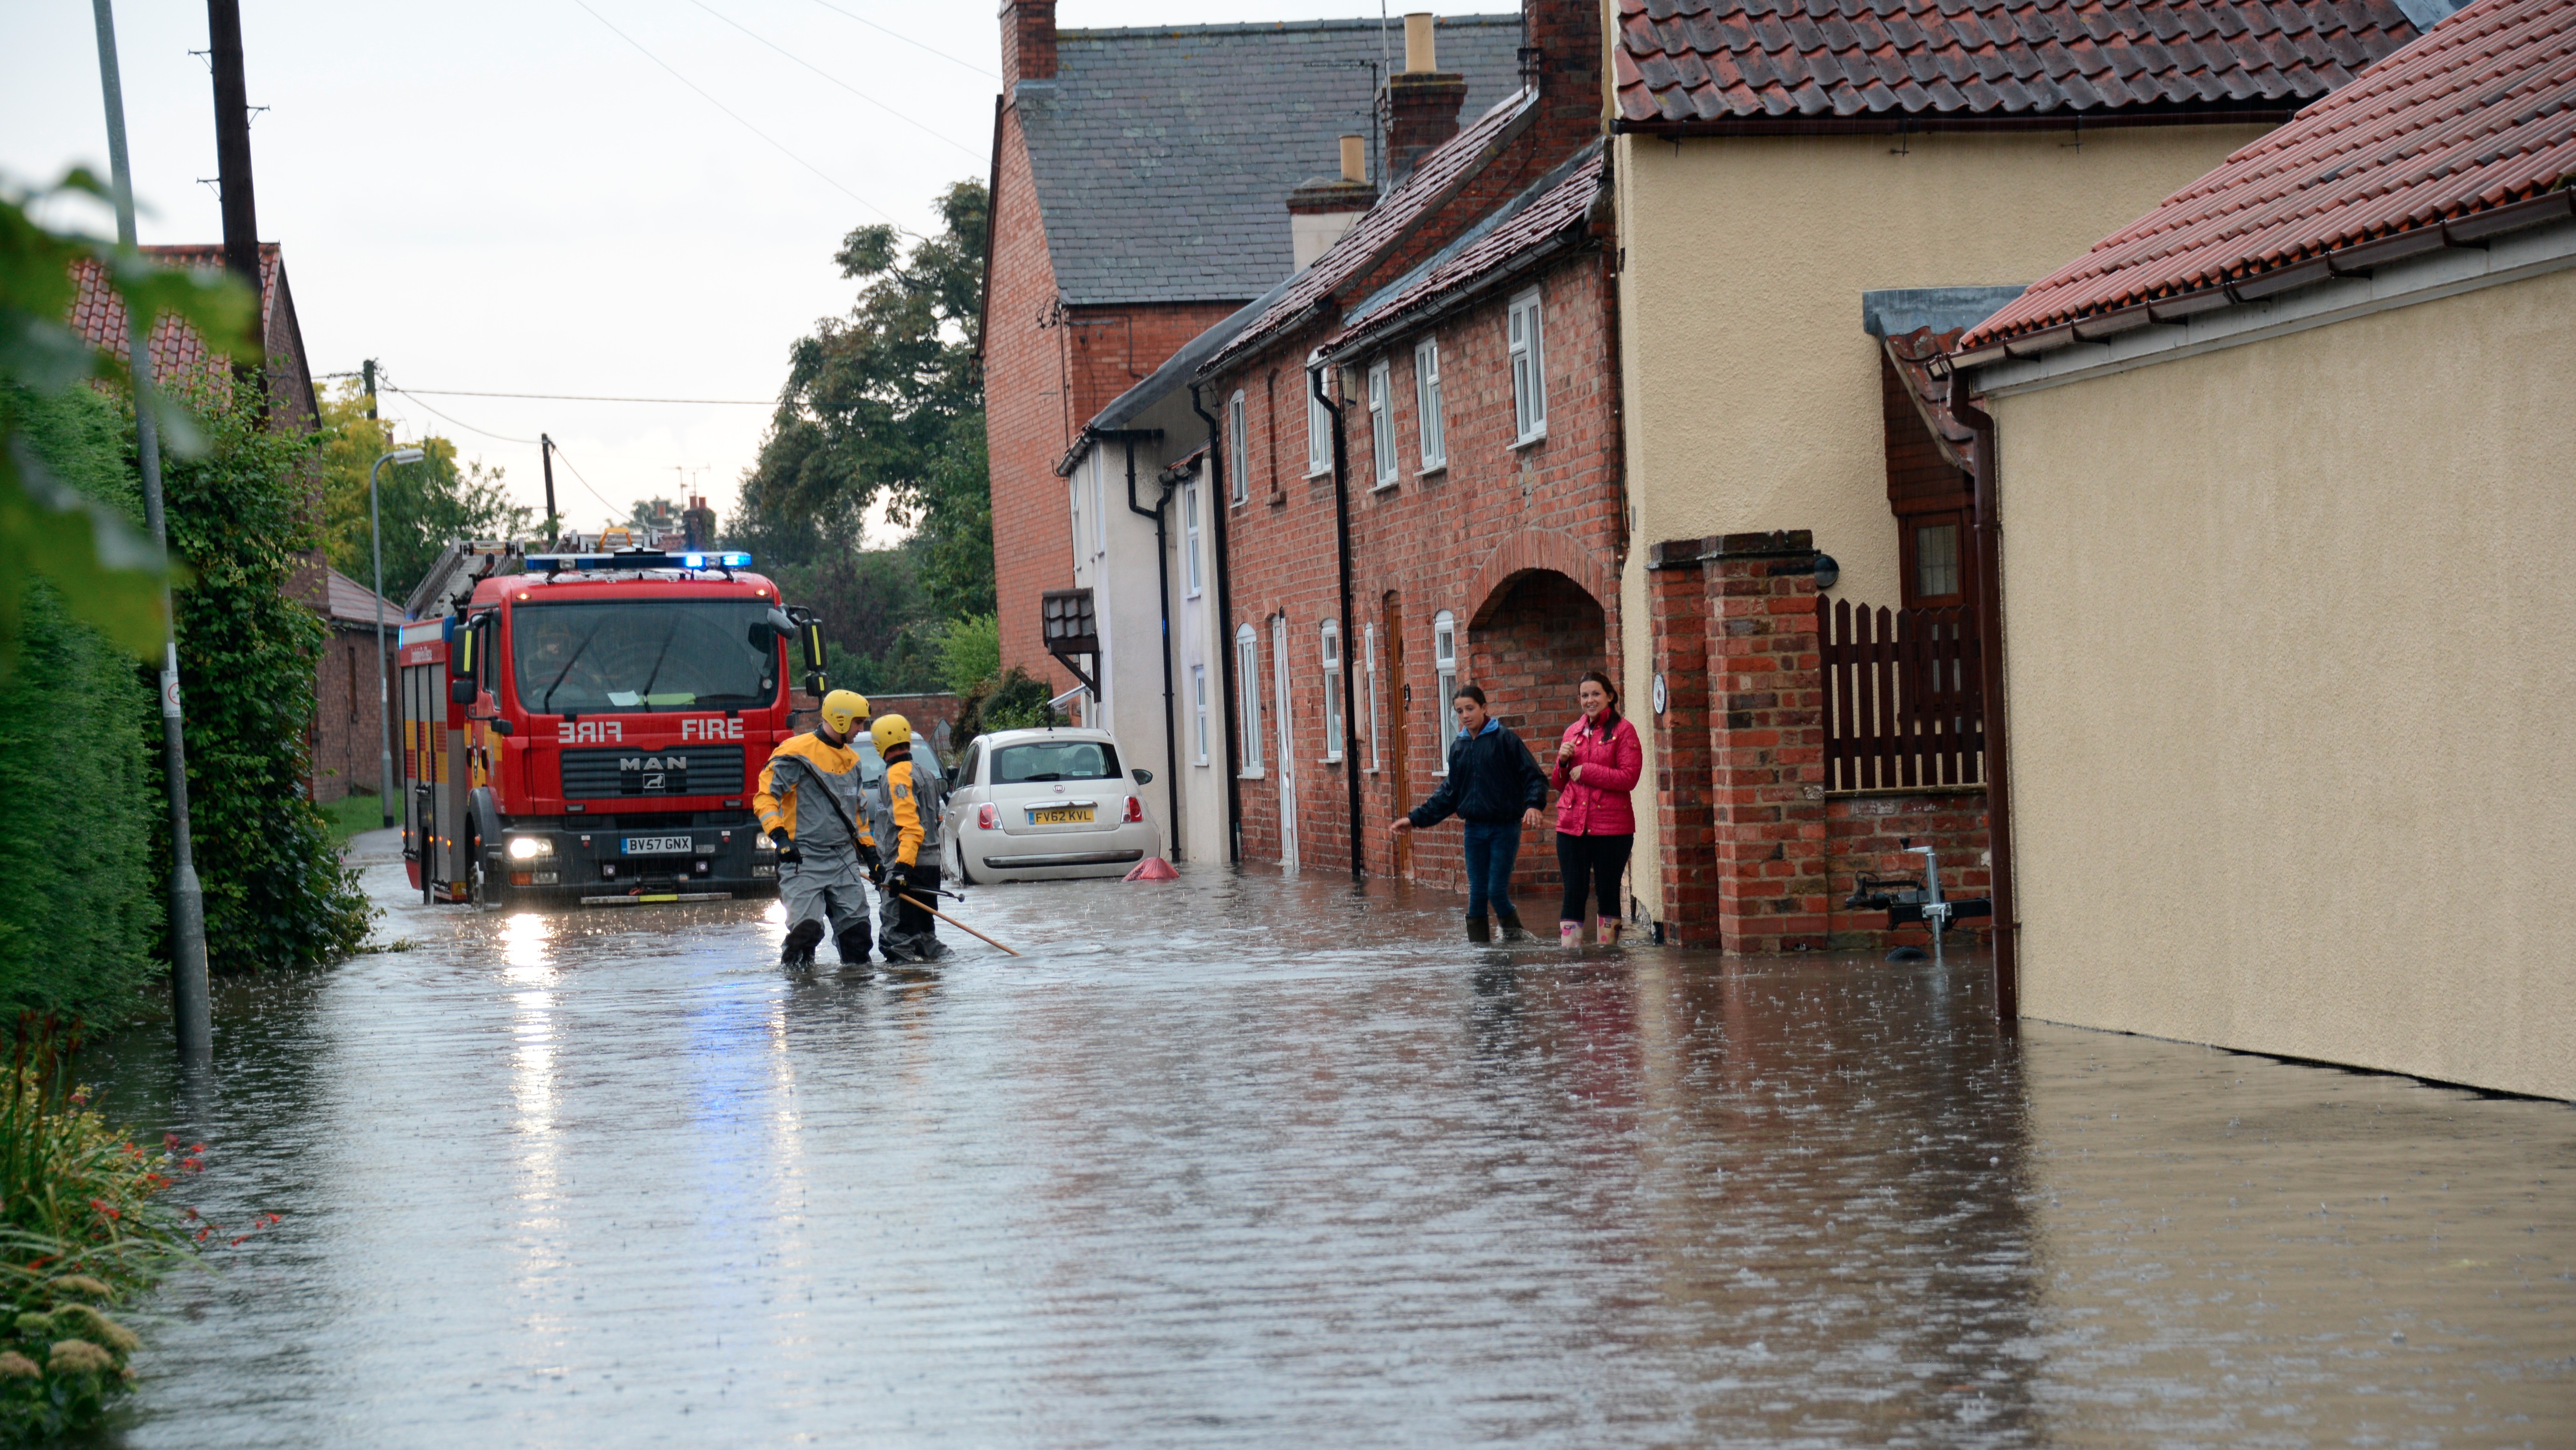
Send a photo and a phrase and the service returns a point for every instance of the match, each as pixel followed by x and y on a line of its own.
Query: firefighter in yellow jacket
pixel 812 804
pixel 904 811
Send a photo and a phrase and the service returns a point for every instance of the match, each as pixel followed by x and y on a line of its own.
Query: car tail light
pixel 987 819
pixel 1135 810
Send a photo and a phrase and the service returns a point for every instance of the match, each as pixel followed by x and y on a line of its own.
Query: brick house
pixel 1141 182
pixel 1453 512
pixel 1798 197
pixel 349 719
pixel 2285 602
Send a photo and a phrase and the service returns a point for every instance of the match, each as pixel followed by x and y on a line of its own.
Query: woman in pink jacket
pixel 1597 765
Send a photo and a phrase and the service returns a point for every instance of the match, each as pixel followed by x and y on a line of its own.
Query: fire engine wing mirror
pixel 461 691
pixel 811 634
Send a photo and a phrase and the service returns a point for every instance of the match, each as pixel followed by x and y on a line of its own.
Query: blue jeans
pixel 1491 850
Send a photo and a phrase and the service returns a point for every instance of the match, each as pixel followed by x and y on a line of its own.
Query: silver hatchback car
pixel 1041 805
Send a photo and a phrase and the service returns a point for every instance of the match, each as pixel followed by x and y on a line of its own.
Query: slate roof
pixel 1164 156
pixel 178 353
pixel 2468 131
pixel 1552 211
pixel 1436 177
pixel 345 601
pixel 1747 64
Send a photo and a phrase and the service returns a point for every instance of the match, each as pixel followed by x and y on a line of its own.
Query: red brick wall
pixel 1505 540
pixel 1862 834
pixel 349 729
pixel 1028 417
pixel 1047 371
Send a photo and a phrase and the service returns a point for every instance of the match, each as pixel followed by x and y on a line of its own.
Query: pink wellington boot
pixel 1569 934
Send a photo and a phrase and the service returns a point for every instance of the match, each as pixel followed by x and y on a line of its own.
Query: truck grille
pixel 671 770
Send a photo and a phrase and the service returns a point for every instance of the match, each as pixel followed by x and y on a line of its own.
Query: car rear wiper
pixel 1050 775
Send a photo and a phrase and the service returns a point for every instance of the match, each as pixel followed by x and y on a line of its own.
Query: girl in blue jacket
pixel 1496 789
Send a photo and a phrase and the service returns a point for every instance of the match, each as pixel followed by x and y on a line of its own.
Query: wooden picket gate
pixel 1904 697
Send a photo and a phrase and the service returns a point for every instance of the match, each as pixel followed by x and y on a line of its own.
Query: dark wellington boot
pixel 798 954
pixel 854 945
pixel 1512 928
pixel 1479 930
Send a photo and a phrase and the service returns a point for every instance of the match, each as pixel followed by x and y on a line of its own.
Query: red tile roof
pixel 178 353
pixel 1913 355
pixel 1869 64
pixel 1435 177
pixel 2478 116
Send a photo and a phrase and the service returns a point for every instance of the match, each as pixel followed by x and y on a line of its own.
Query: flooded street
pixel 1250 1160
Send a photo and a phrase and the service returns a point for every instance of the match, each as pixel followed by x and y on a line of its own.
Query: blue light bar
pixel 633 559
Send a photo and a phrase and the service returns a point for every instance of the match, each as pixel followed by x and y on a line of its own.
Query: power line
pixel 385 387
pixel 836 80
pixel 906 39
pixel 588 398
pixel 576 473
pixel 827 177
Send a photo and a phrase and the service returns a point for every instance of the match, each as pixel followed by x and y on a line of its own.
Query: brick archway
pixel 1533 551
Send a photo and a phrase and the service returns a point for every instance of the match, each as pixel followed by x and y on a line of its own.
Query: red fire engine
pixel 589 727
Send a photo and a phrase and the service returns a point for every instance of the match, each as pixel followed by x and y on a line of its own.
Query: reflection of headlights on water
pixel 528 848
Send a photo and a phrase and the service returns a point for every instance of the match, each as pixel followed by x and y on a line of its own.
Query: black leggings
pixel 1601 858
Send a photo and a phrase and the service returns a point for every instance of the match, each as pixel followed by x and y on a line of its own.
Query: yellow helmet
pixel 844 709
pixel 889 732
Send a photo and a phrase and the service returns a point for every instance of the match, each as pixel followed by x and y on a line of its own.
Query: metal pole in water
pixel 188 990
pixel 376 541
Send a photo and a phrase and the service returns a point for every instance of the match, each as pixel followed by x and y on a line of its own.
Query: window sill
pixel 1253 774
pixel 1432 470
pixel 1531 441
pixel 1315 473
pixel 1385 485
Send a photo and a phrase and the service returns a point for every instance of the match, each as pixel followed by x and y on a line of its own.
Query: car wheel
pixel 964 877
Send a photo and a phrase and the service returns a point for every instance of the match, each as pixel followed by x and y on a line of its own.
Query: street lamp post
pixel 376 540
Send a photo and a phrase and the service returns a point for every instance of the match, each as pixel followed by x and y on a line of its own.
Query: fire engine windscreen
pixel 625 655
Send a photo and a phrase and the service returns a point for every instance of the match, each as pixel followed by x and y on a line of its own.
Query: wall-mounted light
pixel 1827 572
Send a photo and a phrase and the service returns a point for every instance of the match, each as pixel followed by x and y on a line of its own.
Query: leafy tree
pixel 277 893
pixel 874 400
pixel 955 521
pixel 427 505
pixel 970 652
pixel 109 576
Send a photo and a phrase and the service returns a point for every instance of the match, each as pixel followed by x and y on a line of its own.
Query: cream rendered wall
pixel 2292 663
pixel 1751 394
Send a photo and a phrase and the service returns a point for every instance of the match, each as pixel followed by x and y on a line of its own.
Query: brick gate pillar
pixel 1766 740
pixel 1677 604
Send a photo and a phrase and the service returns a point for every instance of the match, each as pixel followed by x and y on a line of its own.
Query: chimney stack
pixel 1566 40
pixel 1323 208
pixel 1422 100
pixel 1028 42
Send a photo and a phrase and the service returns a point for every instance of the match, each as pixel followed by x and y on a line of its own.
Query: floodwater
pixel 1252 1160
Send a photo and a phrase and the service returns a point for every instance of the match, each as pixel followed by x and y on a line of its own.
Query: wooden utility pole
pixel 232 161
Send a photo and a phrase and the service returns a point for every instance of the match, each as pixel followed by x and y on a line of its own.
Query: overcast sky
pixel 511 198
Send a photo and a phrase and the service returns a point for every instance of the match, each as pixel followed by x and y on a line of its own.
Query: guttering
pixel 1914 123
pixel 1571 241
pixel 1159 513
pixel 1988 527
pixel 1220 503
pixel 2425 264
pixel 1342 550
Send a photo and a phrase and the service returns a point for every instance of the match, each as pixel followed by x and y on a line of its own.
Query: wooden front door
pixel 1400 761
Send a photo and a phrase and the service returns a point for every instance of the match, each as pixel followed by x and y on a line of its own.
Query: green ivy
pixel 244 517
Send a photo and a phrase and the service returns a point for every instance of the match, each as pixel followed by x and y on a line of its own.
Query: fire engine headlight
pixel 528 848
pixel 760 842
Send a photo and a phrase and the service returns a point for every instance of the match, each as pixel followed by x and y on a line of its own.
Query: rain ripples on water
pixel 1253 1160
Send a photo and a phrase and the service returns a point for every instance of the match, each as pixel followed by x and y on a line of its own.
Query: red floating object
pixel 1153 868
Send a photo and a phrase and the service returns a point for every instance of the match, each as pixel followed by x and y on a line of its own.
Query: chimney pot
pixel 1355 158
pixel 1420 52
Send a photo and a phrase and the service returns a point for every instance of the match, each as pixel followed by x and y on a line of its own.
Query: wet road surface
pixel 1246 1160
